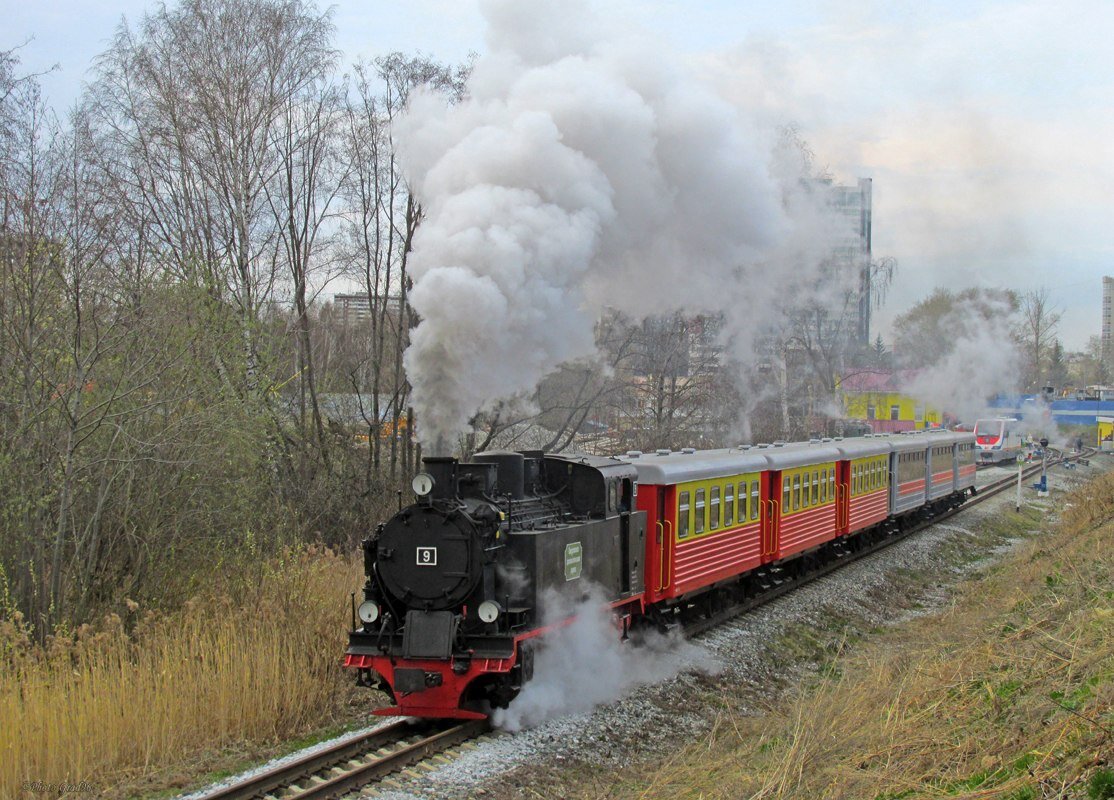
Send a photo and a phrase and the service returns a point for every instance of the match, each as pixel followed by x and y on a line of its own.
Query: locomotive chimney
pixel 443 471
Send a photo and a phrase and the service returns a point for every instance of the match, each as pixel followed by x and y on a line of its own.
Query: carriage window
pixel 683 516
pixel 713 511
pixel 728 505
pixel 796 492
pixel 699 526
pixel 816 487
pixel 787 493
pixel 754 500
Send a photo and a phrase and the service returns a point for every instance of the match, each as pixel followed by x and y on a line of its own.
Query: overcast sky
pixel 988 127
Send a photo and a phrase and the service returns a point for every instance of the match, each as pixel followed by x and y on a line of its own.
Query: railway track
pixel 351 764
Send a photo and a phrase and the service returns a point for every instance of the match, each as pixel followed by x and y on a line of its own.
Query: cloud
pixel 986 127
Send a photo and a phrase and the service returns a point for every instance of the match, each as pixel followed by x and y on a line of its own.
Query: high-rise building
pixel 851 256
pixel 1108 324
pixel 355 309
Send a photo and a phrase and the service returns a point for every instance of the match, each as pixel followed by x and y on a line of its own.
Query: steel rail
pixel 288 779
pixel 363 774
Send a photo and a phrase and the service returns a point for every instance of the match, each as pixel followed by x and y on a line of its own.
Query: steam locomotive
pixel 455 583
pixel 455 597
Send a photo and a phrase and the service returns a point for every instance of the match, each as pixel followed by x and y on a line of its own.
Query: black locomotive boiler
pixel 455 582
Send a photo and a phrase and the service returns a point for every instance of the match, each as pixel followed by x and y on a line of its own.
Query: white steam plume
pixel 583 170
pixel 980 359
pixel 585 663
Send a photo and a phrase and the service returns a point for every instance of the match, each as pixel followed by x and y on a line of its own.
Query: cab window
pixel 683 516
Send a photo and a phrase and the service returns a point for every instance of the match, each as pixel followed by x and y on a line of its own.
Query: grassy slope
pixel 1007 693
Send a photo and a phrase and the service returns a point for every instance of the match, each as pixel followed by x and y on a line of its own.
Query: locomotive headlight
pixel 368 611
pixel 422 484
pixel 489 611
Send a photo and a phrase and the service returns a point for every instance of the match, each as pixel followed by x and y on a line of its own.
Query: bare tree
pixel 194 97
pixel 382 219
pixel 301 196
pixel 1039 325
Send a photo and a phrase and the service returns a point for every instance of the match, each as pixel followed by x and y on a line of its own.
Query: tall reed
pixel 146 691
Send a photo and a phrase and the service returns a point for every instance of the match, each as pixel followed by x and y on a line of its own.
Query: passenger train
pixel 452 609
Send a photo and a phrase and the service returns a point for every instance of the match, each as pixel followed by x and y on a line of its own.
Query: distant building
pixel 355 309
pixel 878 399
pixel 851 255
pixel 1108 324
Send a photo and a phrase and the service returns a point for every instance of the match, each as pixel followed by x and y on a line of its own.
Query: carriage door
pixel 664 537
pixel 843 497
pixel 770 513
pixel 628 569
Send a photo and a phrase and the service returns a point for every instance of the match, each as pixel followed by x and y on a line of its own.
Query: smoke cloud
pixel 584 170
pixel 980 359
pixel 585 663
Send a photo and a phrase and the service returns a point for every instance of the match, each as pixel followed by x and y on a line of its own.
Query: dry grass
pixel 1007 694
pixel 114 707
